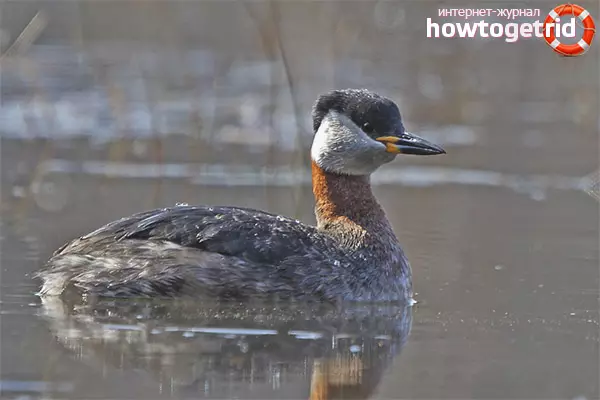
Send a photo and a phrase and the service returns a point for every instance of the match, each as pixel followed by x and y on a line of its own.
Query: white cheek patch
pixel 341 146
pixel 321 141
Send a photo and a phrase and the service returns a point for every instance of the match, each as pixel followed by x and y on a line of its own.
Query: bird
pixel 352 254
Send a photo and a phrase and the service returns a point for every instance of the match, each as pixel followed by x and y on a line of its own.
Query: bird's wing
pixel 249 234
pixel 185 249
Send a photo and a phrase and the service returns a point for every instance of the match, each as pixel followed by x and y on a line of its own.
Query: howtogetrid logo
pixel 554 31
pixel 589 30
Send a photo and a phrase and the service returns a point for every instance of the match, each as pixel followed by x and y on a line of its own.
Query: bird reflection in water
pixel 212 349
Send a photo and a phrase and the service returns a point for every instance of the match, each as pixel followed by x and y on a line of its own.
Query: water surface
pixel 508 307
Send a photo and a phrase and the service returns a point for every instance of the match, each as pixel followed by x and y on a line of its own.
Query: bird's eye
pixel 367 127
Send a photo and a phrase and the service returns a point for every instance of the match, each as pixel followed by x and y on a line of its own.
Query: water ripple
pixel 534 186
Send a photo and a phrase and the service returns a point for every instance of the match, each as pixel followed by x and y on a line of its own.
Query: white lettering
pixel 525 30
pixel 538 26
pixel 445 28
pixel 512 32
pixel 482 26
pixel 568 29
pixel 548 30
pixel 432 25
pixel 466 30
pixel 496 29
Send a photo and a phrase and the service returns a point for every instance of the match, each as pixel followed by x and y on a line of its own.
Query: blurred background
pixel 112 107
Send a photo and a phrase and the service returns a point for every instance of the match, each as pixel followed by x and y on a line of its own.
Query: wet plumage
pixel 234 252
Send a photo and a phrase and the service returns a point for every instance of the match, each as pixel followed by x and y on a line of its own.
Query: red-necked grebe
pixel 232 252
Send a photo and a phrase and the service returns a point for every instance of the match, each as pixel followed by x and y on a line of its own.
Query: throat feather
pixel 345 201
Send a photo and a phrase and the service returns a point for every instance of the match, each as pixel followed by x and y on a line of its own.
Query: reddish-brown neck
pixel 344 199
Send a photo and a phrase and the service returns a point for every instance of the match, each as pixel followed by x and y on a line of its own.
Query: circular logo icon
pixel 589 30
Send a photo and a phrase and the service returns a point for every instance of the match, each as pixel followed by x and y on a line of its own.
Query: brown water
pixel 501 233
pixel 508 307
